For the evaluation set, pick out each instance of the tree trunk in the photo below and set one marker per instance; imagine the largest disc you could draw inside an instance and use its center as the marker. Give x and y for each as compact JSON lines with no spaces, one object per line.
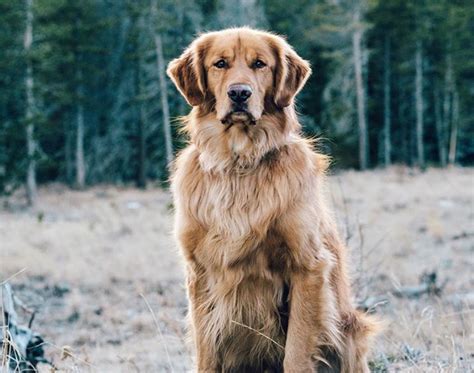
{"x":141,"y":181}
{"x":453,"y":138}
{"x":387,"y":113}
{"x":440,"y":129}
{"x":164,"y":100}
{"x":31,"y":191}
{"x":360,"y":94}
{"x":451,"y":108}
{"x":163,"y":88}
{"x":80,"y":163}
{"x":447,"y":92}
{"x":419,"y":104}
{"x":68,"y":152}
{"x":141,"y":177}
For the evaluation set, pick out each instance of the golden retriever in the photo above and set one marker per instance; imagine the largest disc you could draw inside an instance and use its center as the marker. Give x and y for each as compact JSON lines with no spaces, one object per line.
{"x":266,"y":269}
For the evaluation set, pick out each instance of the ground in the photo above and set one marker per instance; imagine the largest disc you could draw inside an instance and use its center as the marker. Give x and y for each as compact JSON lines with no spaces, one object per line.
{"x":102,"y":271}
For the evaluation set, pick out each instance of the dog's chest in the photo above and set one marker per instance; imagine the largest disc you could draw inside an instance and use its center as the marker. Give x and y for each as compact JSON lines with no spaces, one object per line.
{"x":239,"y":213}
{"x":246,"y":262}
{"x":239,"y":205}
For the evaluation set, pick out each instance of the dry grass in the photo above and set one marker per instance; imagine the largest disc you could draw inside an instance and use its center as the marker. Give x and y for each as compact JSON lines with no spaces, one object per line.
{"x":105,"y":277}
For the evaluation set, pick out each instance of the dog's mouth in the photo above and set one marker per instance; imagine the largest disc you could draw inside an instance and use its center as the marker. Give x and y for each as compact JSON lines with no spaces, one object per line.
{"x":239,"y":115}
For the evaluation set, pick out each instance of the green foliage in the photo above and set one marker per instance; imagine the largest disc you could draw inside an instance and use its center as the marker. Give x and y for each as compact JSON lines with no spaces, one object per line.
{"x":100,"y":54}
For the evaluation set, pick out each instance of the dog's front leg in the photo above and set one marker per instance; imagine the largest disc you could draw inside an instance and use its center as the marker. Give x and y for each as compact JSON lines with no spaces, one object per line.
{"x":310,"y":324}
{"x":206,"y":358}
{"x":313,"y":315}
{"x":191,"y":236}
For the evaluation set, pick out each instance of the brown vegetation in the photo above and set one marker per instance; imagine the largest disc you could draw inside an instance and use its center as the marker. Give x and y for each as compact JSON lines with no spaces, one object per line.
{"x":90,"y":254}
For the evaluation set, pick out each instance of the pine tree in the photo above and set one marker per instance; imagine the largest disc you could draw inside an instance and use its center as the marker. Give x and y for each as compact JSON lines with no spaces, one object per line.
{"x":340,"y":28}
{"x":13,"y":158}
{"x":69,"y":69}
{"x":87,"y":101}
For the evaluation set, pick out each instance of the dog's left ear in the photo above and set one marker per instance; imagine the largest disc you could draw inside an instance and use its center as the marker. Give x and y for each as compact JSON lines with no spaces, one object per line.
{"x":290,"y":75}
{"x":187,"y":74}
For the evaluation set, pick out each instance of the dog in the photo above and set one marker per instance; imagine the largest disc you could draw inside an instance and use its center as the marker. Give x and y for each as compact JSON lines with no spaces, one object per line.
{"x":266,"y":270}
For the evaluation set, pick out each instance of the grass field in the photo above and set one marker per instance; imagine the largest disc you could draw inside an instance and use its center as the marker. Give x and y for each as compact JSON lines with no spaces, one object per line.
{"x":102,"y":271}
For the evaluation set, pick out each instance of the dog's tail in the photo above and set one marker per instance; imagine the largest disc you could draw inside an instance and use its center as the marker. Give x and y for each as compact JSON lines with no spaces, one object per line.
{"x":359,"y":330}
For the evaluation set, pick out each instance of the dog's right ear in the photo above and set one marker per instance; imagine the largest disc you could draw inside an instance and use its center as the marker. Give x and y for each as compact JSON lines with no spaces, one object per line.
{"x":291,"y":77}
{"x":186,"y":74}
{"x":290,"y":74}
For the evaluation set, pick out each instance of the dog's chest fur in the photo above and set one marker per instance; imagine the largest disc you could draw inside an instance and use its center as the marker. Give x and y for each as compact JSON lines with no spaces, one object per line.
{"x":246,"y":262}
{"x":240,"y":217}
{"x":240,"y":250}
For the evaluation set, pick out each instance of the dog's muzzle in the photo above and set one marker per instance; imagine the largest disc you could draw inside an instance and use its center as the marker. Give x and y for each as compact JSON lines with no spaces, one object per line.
{"x":239,"y":95}
{"x":239,"y":115}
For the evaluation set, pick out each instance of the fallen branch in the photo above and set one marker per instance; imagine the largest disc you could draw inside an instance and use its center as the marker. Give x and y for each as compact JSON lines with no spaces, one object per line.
{"x":22,"y":349}
{"x":428,"y":285}
{"x":371,"y":303}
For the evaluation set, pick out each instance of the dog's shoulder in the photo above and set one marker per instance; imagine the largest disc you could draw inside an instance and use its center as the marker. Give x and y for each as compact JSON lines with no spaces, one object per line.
{"x":302,"y":157}
{"x":186,"y":160}
{"x":185,"y":167}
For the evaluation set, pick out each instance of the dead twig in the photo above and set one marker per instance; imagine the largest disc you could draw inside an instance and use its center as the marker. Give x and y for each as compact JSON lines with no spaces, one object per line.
{"x":12,"y":276}
{"x":259,"y":333}
{"x":348,"y":233}
{"x":371,"y":303}
{"x":160,"y":333}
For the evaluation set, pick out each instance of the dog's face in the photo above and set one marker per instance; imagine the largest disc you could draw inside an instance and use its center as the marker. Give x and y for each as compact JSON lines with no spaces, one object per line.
{"x":240,"y":74}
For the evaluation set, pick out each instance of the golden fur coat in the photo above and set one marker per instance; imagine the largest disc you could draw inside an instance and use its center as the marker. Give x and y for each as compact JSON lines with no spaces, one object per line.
{"x":266,"y":269}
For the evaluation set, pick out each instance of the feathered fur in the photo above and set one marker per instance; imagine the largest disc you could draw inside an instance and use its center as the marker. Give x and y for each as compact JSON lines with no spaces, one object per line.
{"x":266,"y":275}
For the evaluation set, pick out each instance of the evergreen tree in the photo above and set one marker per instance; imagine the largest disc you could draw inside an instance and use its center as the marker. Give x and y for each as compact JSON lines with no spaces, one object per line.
{"x":13,"y":158}
{"x":392,"y":82}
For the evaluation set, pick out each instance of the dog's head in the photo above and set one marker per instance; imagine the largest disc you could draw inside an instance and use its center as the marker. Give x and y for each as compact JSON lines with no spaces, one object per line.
{"x":240,"y":74}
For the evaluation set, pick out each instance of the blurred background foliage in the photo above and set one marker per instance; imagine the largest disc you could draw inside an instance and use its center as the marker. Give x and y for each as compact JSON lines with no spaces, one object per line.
{"x":81,"y":100}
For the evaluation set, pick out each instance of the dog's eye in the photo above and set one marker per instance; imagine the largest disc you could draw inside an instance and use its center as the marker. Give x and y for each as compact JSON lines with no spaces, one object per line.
{"x":221,"y":64}
{"x":258,"y":64}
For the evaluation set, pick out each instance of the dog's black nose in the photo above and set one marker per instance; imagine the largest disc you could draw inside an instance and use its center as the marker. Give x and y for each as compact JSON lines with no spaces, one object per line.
{"x":239,"y":93}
